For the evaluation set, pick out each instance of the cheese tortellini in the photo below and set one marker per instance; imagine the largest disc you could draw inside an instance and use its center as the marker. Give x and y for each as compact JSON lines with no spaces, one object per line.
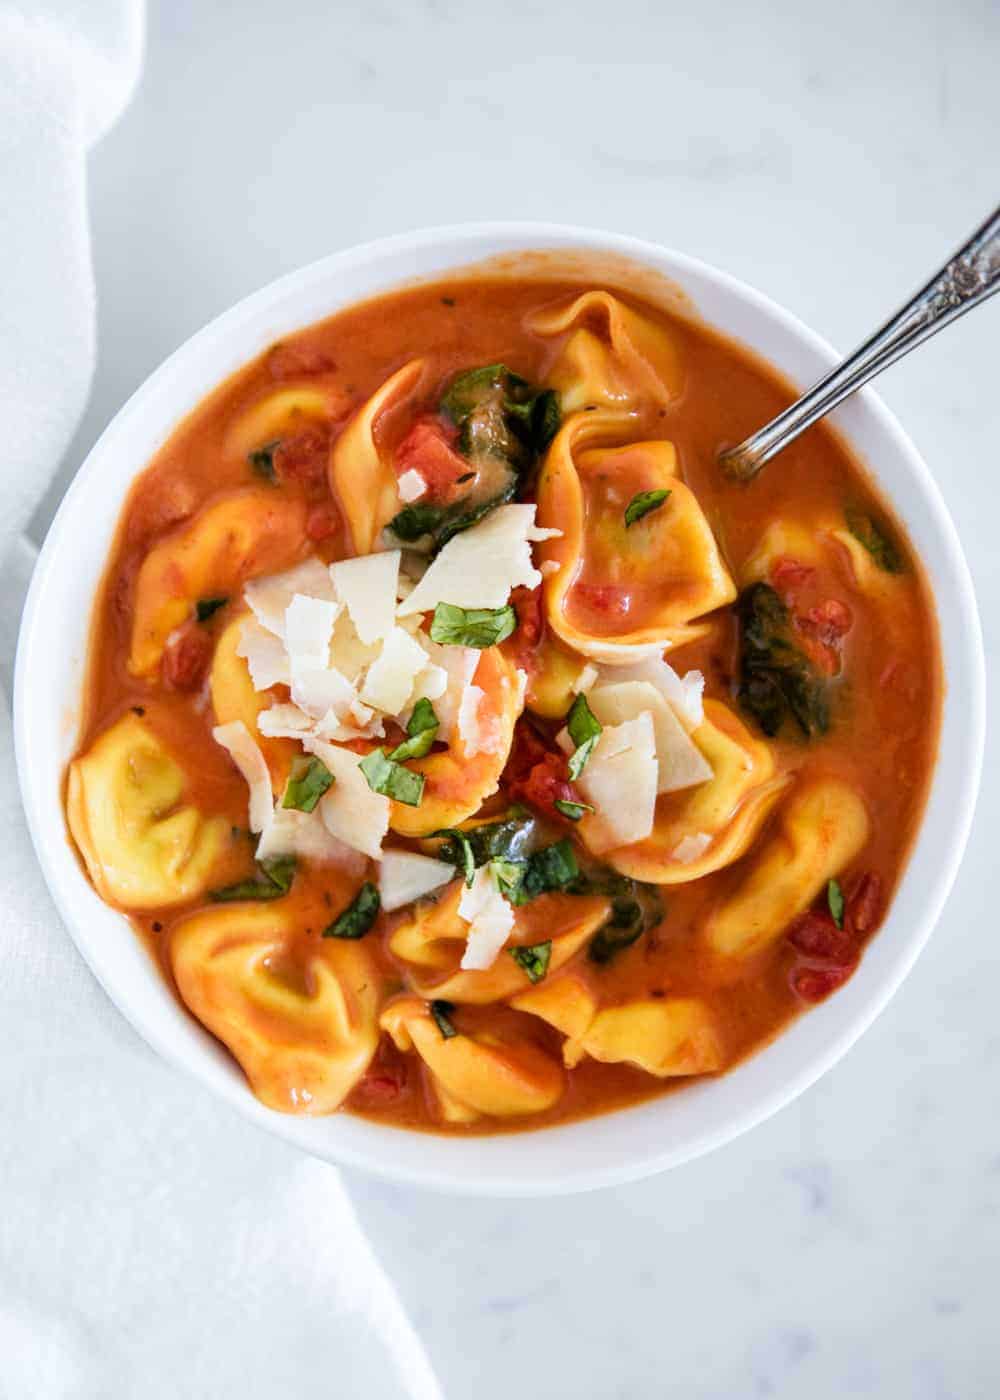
{"x":143,"y":846}
{"x":282,"y":413}
{"x":621,"y":591}
{"x":300,"y":1019}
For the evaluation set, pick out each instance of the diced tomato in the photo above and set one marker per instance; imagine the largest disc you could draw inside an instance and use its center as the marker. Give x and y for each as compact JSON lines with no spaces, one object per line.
{"x":787,"y":573}
{"x":295,"y":361}
{"x":530,"y":621}
{"x":863,"y":911}
{"x":815,"y":983}
{"x":304,"y":457}
{"x":376,"y":1090}
{"x":322,"y":521}
{"x":829,"y":621}
{"x":429,"y":449}
{"x":537,"y":774}
{"x":186,"y":657}
{"x":604,"y":597}
{"x":817,"y":936}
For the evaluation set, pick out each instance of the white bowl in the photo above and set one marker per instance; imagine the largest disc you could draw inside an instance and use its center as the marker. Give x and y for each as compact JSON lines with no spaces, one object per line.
{"x":609,"y":1149}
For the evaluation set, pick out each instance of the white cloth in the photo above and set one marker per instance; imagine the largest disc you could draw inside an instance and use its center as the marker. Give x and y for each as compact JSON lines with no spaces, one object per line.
{"x":151,"y":1242}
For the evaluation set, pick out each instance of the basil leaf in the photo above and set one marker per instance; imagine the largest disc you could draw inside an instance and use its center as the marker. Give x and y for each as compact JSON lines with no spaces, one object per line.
{"x":441,"y":1011}
{"x":585,"y":731}
{"x":208,"y":607}
{"x":835,"y":902}
{"x":278,"y":872}
{"x":307,"y":782}
{"x":643,"y":503}
{"x":878,"y":544}
{"x":420,"y":731}
{"x":458,"y":850}
{"x":472,"y":627}
{"x":392,"y":779}
{"x":509,"y":875}
{"x":358,"y":917}
{"x":506,"y":839}
{"x":262,"y":460}
{"x":573,"y":810}
{"x":533,"y":958}
{"x":551,"y":868}
{"x":777,"y":681}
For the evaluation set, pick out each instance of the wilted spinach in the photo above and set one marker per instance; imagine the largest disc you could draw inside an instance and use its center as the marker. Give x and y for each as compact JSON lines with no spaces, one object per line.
{"x":777,"y":681}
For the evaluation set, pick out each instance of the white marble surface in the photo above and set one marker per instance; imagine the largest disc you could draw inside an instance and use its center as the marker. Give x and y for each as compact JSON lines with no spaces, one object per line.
{"x":829,"y":155}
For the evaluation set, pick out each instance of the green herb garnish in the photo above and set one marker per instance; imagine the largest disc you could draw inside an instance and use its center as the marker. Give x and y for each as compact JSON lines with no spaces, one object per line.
{"x":550,"y":868}
{"x":506,"y":839}
{"x":472,"y":627}
{"x":208,"y":607}
{"x":262,"y":460}
{"x":307,"y":782}
{"x":533,"y":959}
{"x":440,"y":523}
{"x":776,"y":680}
{"x":277,"y":872}
{"x":441,"y":1011}
{"x":391,"y":779}
{"x":573,"y":810}
{"x":420,"y":731}
{"x":635,"y":908}
{"x":500,"y":414}
{"x":585,"y":731}
{"x":642,"y":504}
{"x":835,"y":902}
{"x":358,"y":917}
{"x":875,"y":539}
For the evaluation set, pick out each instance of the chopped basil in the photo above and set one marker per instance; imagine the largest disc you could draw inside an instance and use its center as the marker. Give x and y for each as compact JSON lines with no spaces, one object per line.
{"x":277,"y":871}
{"x":471,"y":627}
{"x":508,"y":875}
{"x":533,"y":958}
{"x":307,"y":782}
{"x":262,"y":460}
{"x":585,"y":731}
{"x":877,"y":542}
{"x":358,"y":917}
{"x":643,"y":503}
{"x":458,"y":850}
{"x":550,"y":868}
{"x":506,"y":839}
{"x":420,"y":731}
{"x":392,"y":779}
{"x":777,"y":681}
{"x":573,"y":810}
{"x":835,"y":902}
{"x":208,"y":607}
{"x":441,"y":1011}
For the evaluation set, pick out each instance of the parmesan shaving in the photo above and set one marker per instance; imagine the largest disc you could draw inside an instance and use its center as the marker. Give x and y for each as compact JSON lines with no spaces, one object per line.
{"x":479,"y":567}
{"x":391,"y":676}
{"x":350,"y":810}
{"x":317,"y":690}
{"x":405,"y":876}
{"x":308,"y":629}
{"x":245,"y":753}
{"x":490,"y":919}
{"x":470,"y":730}
{"x":684,"y":693}
{"x":680,"y":763}
{"x":620,"y":782}
{"x":411,"y":486}
{"x":303,"y":834}
{"x":367,"y":586}
{"x":268,"y":598}
{"x":266,"y":658}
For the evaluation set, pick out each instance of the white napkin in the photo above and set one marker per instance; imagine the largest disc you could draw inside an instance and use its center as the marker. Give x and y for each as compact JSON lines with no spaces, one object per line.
{"x":151,"y":1242}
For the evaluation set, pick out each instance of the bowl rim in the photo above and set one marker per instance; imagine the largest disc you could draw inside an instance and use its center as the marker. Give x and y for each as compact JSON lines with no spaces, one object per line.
{"x":375,"y":1152}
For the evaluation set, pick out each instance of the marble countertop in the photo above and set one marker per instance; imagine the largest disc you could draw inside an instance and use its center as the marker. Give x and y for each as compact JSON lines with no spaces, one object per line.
{"x":831,"y":157}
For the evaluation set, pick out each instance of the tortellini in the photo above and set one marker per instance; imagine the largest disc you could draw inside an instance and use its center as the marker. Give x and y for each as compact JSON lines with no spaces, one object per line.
{"x":459,"y":782}
{"x":300,"y":1019}
{"x":621,"y":592}
{"x":612,"y":357}
{"x":720,"y":817}
{"x":362,"y":477}
{"x":499,"y":1072}
{"x":823,"y":542}
{"x":143,"y":848}
{"x":234,"y":698}
{"x":666,"y":1037}
{"x":282,"y":413}
{"x":238,"y":536}
{"x":820,"y":829}
{"x":432,"y":941}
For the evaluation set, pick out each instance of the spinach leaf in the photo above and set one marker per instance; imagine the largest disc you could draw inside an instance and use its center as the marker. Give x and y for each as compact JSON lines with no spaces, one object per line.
{"x":441,"y":1011}
{"x":358,"y":917}
{"x":585,"y":731}
{"x":506,"y":839}
{"x":472,"y":627}
{"x":307,"y":782}
{"x":877,"y":542}
{"x":420,"y":731}
{"x":533,"y":958}
{"x":642,"y":503}
{"x":439,"y":523}
{"x":391,"y":779}
{"x":208,"y":607}
{"x":777,"y":681}
{"x":635,"y":908}
{"x":550,"y":868}
{"x":277,"y":872}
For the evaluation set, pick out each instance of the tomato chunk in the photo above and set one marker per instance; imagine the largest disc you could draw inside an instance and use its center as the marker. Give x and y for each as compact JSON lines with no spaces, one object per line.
{"x":787,"y":573}
{"x":829,"y":621}
{"x":303,"y":458}
{"x":428,"y":448}
{"x":815,"y":983}
{"x":863,"y":911}
{"x":322,"y":521}
{"x":538,"y":774}
{"x":530,"y":620}
{"x":816,"y":935}
{"x":186,"y":657}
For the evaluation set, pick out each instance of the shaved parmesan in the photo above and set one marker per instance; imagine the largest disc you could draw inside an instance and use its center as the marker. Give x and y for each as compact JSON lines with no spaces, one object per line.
{"x":684,"y":693}
{"x":490,"y":919}
{"x":318,"y":689}
{"x":268,"y":598}
{"x":308,"y":629}
{"x":411,"y":487}
{"x":303,"y":834}
{"x":680,"y":763}
{"x":265,"y":655}
{"x":284,"y":722}
{"x":350,"y":810}
{"x":470,"y":731}
{"x":457,"y":666}
{"x":588,"y":677}
{"x":391,"y":676}
{"x":479,"y":567}
{"x":405,"y":876}
{"x":245,"y":753}
{"x":348,"y":652}
{"x":367,"y":585}
{"x":690,"y":848}
{"x":619,"y":781}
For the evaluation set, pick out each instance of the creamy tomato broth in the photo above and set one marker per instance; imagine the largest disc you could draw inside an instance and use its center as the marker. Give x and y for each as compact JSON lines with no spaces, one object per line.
{"x":580,"y":772}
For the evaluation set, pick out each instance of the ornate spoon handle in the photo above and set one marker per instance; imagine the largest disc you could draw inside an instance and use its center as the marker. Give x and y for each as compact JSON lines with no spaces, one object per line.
{"x":971,"y":276}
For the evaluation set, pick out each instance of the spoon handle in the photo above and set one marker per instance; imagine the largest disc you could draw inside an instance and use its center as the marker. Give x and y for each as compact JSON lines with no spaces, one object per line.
{"x":968,"y":278}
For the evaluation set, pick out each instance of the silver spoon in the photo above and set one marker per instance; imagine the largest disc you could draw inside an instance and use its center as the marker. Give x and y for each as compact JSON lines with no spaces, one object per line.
{"x":971,"y":276}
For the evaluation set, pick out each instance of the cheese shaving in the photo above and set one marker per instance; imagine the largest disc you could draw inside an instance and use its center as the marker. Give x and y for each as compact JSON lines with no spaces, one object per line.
{"x":350,"y":810}
{"x":265,"y":655}
{"x":411,"y":486}
{"x":680,"y":763}
{"x":404,"y":876}
{"x":620,"y":782}
{"x":367,"y":586}
{"x":479,"y":567}
{"x":245,"y":753}
{"x":690,"y":848}
{"x":490,"y":919}
{"x":268,"y":598}
{"x":391,"y":676}
{"x":318,"y":690}
{"x":309,"y":628}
